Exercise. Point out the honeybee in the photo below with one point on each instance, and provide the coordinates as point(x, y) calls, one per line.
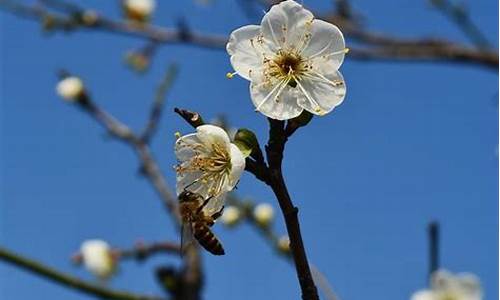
point(195, 222)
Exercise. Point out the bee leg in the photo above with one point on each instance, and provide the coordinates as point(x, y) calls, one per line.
point(217, 215)
point(204, 204)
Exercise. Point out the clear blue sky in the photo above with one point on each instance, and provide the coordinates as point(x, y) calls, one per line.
point(412, 142)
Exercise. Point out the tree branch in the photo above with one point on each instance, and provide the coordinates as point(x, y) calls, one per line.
point(68, 280)
point(274, 150)
point(374, 46)
point(273, 176)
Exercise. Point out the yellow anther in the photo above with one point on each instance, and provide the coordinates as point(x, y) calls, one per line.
point(230, 75)
point(177, 135)
point(346, 50)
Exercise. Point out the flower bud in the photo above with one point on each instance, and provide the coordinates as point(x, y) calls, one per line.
point(138, 61)
point(231, 216)
point(263, 214)
point(248, 144)
point(90, 17)
point(97, 258)
point(139, 10)
point(284, 244)
point(71, 89)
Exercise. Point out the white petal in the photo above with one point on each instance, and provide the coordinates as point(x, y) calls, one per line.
point(327, 44)
point(184, 146)
point(275, 104)
point(285, 23)
point(190, 180)
point(215, 204)
point(469, 285)
point(237, 167)
point(423, 295)
point(245, 51)
point(322, 92)
point(210, 135)
point(443, 280)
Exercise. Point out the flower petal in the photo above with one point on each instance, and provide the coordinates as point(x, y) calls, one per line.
point(277, 102)
point(285, 24)
point(327, 44)
point(245, 51)
point(423, 295)
point(321, 92)
point(210, 135)
point(184, 146)
point(470, 285)
point(237, 166)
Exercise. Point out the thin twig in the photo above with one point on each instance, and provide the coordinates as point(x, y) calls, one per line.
point(158, 104)
point(68, 280)
point(458, 15)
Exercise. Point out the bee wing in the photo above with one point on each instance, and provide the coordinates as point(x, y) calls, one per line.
point(186, 236)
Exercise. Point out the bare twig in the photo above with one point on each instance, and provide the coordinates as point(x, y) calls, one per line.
point(458, 14)
point(67, 280)
point(375, 46)
point(157, 107)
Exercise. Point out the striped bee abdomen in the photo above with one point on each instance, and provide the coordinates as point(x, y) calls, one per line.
point(207, 239)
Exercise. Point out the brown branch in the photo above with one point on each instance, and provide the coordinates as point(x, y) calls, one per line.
point(273, 177)
point(67, 280)
point(375, 46)
point(274, 150)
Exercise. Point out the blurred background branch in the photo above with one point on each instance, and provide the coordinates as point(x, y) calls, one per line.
point(66, 280)
point(368, 45)
point(191, 273)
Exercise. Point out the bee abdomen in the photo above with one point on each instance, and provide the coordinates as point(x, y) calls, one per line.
point(207, 239)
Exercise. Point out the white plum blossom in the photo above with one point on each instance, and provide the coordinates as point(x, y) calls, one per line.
point(209, 164)
point(291, 61)
point(231, 215)
point(70, 88)
point(263, 214)
point(139, 10)
point(97, 258)
point(447, 286)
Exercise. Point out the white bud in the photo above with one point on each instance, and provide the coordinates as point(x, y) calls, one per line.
point(97, 258)
point(284, 244)
point(139, 10)
point(70, 88)
point(231, 215)
point(263, 214)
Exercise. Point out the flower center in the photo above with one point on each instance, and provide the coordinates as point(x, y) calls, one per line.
point(213, 162)
point(286, 65)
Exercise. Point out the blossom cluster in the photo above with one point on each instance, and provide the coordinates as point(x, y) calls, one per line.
point(291, 60)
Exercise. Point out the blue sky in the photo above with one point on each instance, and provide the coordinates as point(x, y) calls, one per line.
point(412, 142)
